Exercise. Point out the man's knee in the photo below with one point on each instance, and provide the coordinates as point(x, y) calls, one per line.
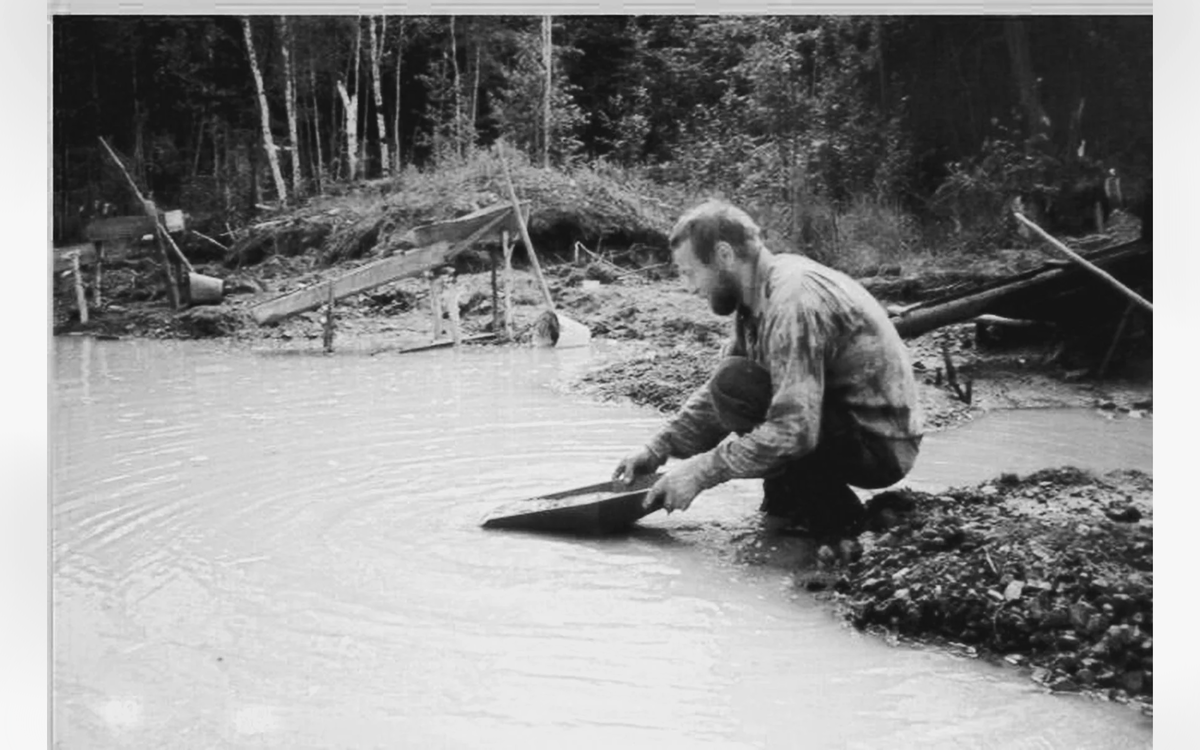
point(887, 462)
point(741, 393)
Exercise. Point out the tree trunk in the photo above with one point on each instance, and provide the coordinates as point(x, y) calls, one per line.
point(1016, 35)
point(290, 98)
point(396, 117)
point(474, 97)
point(458, 134)
point(350, 104)
point(268, 141)
point(358, 88)
point(548, 62)
point(377, 85)
point(316, 124)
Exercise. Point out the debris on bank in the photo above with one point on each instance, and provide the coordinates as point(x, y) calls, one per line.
point(1052, 572)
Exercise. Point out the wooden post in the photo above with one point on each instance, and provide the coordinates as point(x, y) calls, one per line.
point(99, 248)
point(168, 272)
point(329, 321)
point(80, 297)
point(495, 294)
point(506, 242)
point(1112, 348)
point(435, 303)
point(452, 304)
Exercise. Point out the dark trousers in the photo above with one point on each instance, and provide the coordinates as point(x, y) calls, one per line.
point(814, 489)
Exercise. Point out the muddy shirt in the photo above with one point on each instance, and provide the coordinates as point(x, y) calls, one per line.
point(828, 344)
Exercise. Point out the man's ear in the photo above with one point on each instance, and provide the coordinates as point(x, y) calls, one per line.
point(724, 255)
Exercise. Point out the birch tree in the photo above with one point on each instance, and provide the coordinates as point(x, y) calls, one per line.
point(377, 86)
point(268, 141)
point(458, 128)
point(316, 121)
point(350, 104)
point(396, 116)
point(285, 41)
point(547, 61)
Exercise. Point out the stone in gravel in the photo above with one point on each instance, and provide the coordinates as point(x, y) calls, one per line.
point(1014, 590)
point(1126, 514)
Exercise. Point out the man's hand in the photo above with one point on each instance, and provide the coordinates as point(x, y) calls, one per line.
point(676, 489)
point(635, 465)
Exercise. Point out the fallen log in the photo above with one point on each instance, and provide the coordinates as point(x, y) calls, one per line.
point(915, 320)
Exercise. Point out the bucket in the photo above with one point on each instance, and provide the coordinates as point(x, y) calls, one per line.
point(205, 289)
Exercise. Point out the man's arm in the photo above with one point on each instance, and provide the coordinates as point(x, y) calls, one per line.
point(695, 428)
point(796, 347)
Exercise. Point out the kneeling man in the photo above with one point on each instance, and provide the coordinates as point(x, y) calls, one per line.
point(815, 392)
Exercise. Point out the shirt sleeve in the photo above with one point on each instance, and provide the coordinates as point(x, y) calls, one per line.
point(796, 358)
point(696, 428)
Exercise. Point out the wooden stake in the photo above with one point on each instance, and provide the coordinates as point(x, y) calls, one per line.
point(1112, 348)
point(452, 303)
point(1071, 254)
point(495, 295)
point(80, 297)
point(435, 303)
point(172, 285)
point(329, 321)
point(99, 247)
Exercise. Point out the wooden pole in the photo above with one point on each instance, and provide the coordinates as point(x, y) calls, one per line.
point(80, 297)
point(147, 206)
point(512, 196)
point(1072, 255)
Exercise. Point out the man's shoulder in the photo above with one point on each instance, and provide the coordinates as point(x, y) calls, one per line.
point(799, 270)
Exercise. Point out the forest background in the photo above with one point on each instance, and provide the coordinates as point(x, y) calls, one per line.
point(916, 131)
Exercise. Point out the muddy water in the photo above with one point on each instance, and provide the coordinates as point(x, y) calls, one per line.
point(283, 551)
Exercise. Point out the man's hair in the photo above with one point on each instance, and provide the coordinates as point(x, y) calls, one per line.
point(715, 221)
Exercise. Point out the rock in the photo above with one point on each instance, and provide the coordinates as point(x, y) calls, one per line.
point(1080, 613)
point(1064, 685)
point(1133, 682)
point(1125, 514)
point(209, 321)
point(1013, 590)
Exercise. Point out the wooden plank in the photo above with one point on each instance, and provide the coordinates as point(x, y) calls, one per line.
point(361, 279)
point(119, 228)
point(62, 256)
point(371, 275)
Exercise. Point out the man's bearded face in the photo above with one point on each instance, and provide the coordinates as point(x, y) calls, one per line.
point(724, 295)
point(718, 285)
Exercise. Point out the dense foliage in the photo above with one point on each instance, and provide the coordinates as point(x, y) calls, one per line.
point(817, 123)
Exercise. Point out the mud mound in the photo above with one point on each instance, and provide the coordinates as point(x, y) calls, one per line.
point(580, 206)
